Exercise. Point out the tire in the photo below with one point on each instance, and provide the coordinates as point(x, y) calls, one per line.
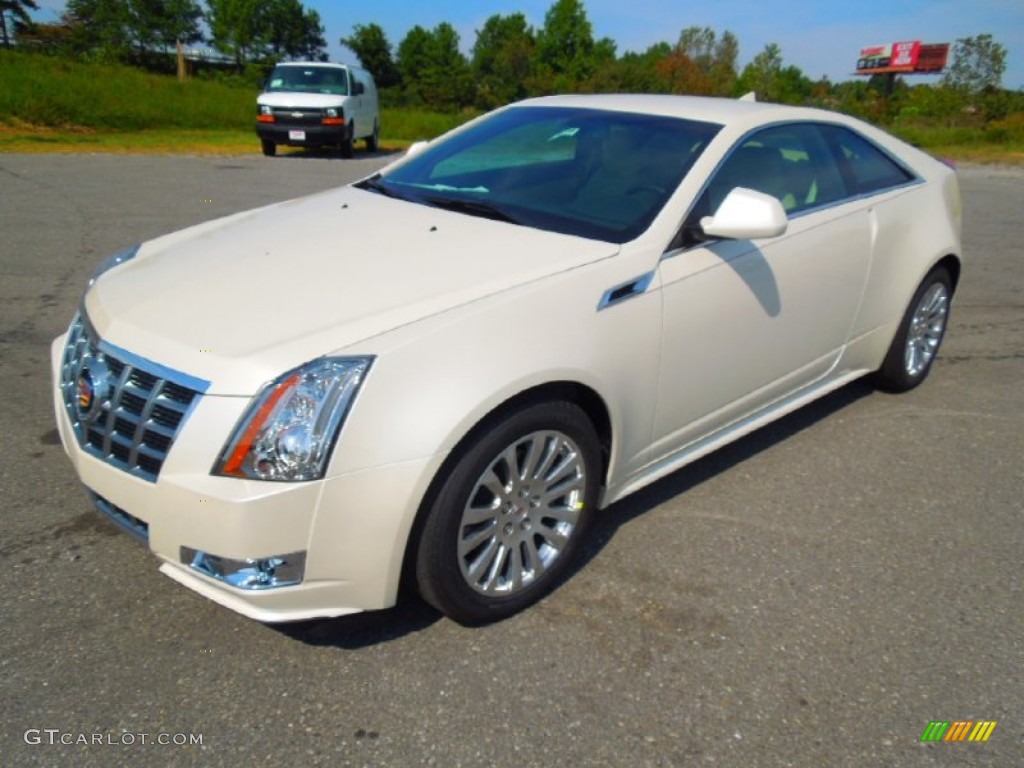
point(269, 147)
point(347, 146)
point(509, 517)
point(919, 336)
point(373, 140)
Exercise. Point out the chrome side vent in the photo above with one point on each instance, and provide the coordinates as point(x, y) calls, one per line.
point(627, 290)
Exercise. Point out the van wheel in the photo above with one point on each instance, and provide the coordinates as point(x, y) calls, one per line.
point(269, 147)
point(347, 147)
point(373, 140)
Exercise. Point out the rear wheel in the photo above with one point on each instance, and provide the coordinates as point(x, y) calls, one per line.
point(269, 147)
point(919, 336)
point(510, 515)
point(373, 140)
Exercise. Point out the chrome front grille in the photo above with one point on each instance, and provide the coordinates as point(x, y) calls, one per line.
point(125, 410)
point(297, 116)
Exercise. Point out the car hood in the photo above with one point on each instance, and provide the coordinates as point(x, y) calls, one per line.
point(238, 301)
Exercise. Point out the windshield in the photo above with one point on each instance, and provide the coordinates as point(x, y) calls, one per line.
point(311, 79)
point(593, 173)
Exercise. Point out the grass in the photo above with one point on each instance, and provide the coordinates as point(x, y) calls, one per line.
point(50, 104)
point(30, 139)
point(48, 91)
point(1001, 141)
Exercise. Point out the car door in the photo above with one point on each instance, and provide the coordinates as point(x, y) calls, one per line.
point(747, 322)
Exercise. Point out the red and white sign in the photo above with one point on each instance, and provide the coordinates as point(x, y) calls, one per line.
point(905, 57)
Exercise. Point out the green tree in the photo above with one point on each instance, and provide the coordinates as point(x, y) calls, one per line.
point(766, 76)
point(293, 32)
point(639, 72)
point(566, 54)
point(373, 49)
point(413, 58)
point(101, 27)
point(704, 63)
point(761, 75)
point(978, 65)
point(433, 69)
point(163, 23)
point(14, 14)
point(181, 21)
point(794, 86)
point(130, 29)
point(238, 28)
point(314, 44)
point(502, 60)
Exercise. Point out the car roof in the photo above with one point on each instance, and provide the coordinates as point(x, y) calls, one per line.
point(711, 109)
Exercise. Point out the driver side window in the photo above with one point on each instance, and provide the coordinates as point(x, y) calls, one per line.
point(790, 162)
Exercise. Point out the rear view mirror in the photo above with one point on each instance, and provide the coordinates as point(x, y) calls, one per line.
point(746, 215)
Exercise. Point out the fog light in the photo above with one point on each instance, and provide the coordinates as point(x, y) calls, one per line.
point(251, 573)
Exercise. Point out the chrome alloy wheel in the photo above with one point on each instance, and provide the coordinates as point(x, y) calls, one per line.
point(926, 329)
point(521, 513)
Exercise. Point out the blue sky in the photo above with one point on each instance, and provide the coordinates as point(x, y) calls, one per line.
point(822, 38)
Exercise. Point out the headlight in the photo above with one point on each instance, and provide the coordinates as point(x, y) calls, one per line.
point(112, 261)
point(265, 110)
point(289, 430)
point(334, 112)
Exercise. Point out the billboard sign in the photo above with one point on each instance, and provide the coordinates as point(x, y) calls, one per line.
point(906, 57)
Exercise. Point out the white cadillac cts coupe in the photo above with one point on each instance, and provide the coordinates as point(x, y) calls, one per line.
point(441, 373)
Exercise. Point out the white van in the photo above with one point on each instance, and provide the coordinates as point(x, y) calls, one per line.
point(316, 104)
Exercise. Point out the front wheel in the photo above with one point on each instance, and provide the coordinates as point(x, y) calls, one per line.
point(373, 140)
point(919, 335)
point(347, 147)
point(510, 515)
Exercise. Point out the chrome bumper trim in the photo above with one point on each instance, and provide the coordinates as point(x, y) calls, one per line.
point(251, 573)
point(128, 523)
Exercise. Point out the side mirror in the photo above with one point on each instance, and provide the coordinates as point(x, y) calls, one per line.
point(359, 88)
point(746, 215)
point(415, 148)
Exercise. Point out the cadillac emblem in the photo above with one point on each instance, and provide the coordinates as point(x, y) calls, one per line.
point(91, 389)
point(86, 393)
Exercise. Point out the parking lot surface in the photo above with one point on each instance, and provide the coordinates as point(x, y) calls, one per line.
point(814, 595)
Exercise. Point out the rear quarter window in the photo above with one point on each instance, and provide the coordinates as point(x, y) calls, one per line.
point(866, 167)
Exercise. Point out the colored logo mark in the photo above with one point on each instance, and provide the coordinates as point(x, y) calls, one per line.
point(958, 730)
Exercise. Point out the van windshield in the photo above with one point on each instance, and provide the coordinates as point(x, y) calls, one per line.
point(311, 79)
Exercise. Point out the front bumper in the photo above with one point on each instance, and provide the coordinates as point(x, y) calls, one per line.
point(314, 134)
point(350, 530)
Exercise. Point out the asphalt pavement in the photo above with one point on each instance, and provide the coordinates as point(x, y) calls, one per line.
point(814, 595)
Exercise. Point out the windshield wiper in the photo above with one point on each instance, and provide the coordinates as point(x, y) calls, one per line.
point(374, 184)
point(473, 208)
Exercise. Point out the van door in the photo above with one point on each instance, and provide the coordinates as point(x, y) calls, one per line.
point(357, 89)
